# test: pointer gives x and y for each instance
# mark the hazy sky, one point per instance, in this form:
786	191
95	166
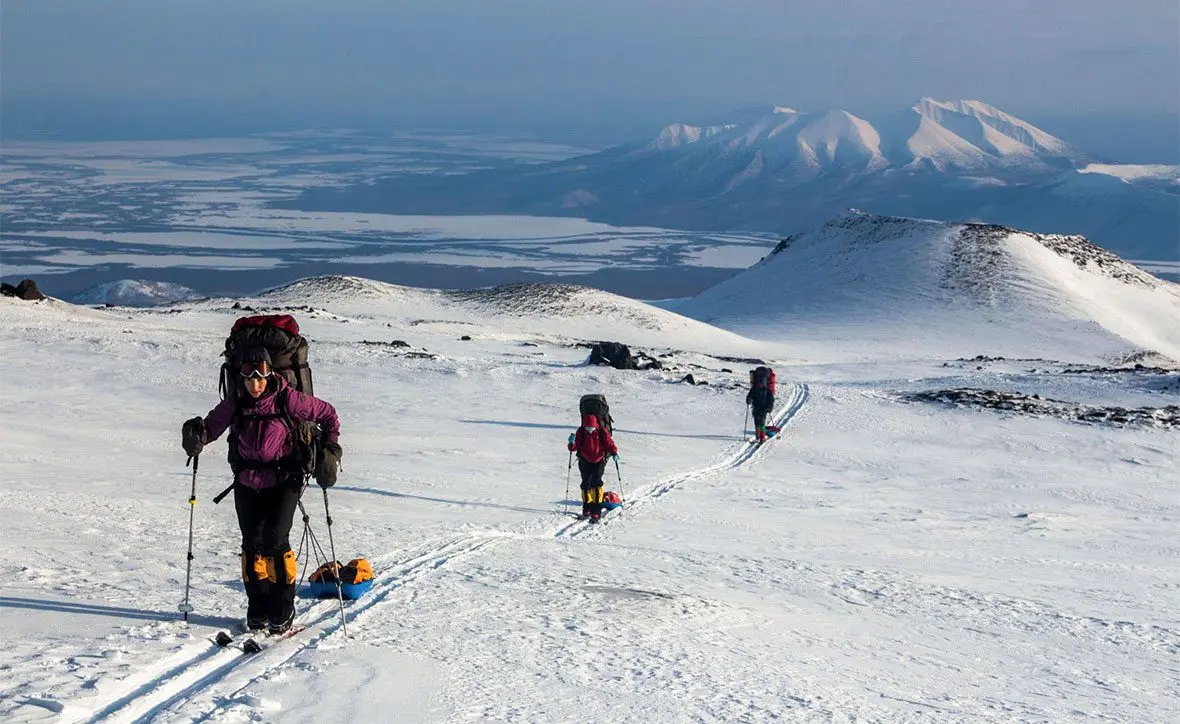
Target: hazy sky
538	64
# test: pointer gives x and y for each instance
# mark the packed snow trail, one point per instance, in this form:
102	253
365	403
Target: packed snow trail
223	675
742	454
189	673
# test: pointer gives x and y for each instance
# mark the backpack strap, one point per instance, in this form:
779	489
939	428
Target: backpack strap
286	464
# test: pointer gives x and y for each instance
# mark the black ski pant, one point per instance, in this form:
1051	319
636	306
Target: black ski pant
268	563
591	485
762	408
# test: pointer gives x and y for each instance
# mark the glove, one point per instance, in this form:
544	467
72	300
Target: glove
572	437
328	465
192	436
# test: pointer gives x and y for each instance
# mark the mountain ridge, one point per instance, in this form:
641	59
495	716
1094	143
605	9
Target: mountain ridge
780	170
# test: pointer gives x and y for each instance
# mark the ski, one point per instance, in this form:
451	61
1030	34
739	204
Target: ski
771	433
258	644
606	515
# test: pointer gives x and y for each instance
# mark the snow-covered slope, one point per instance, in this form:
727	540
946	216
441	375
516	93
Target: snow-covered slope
975	136
882	560
552	310
135	293
961	288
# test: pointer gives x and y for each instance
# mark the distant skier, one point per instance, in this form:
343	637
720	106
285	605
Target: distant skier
268	477
761	399
593	444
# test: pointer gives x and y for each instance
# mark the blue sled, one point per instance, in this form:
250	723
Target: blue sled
350	591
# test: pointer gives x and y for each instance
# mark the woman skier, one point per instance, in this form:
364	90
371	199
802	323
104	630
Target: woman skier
594	445
268	478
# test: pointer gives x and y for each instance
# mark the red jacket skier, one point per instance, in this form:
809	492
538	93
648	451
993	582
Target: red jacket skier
593	444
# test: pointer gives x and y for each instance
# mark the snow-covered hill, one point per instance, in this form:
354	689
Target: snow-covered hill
551	310
878	282
135	293
781	170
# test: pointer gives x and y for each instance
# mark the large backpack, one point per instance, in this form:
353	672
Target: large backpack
762	378
596	405
279	334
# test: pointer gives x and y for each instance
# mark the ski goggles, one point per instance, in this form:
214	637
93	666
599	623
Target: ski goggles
259	370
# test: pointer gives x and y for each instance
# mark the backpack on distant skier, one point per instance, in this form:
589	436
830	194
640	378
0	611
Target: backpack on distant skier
596	405
762	378
611	500
279	335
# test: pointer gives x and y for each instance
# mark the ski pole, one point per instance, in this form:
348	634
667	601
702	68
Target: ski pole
185	607
332	546
622	495
569	466
746	423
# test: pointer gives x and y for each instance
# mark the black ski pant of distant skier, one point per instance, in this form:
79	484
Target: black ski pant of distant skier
268	563
761	409
591	485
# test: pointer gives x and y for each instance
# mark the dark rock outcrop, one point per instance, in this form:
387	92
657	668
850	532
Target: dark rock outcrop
615	354
26	290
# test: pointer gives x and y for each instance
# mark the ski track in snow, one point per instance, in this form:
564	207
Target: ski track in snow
221	676
744	454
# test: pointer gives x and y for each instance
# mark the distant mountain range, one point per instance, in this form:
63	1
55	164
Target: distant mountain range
776	169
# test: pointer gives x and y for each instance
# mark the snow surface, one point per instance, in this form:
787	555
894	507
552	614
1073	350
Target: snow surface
881	560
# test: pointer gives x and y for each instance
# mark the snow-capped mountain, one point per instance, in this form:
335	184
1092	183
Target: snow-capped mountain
907	284
781	170
974	136
969	136
135	293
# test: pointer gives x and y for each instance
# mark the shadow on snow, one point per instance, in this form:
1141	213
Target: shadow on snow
571	428
447	501
92	609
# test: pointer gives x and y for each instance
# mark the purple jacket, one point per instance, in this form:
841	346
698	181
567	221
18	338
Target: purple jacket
267	439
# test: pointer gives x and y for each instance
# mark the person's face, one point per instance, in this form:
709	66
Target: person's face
255	386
